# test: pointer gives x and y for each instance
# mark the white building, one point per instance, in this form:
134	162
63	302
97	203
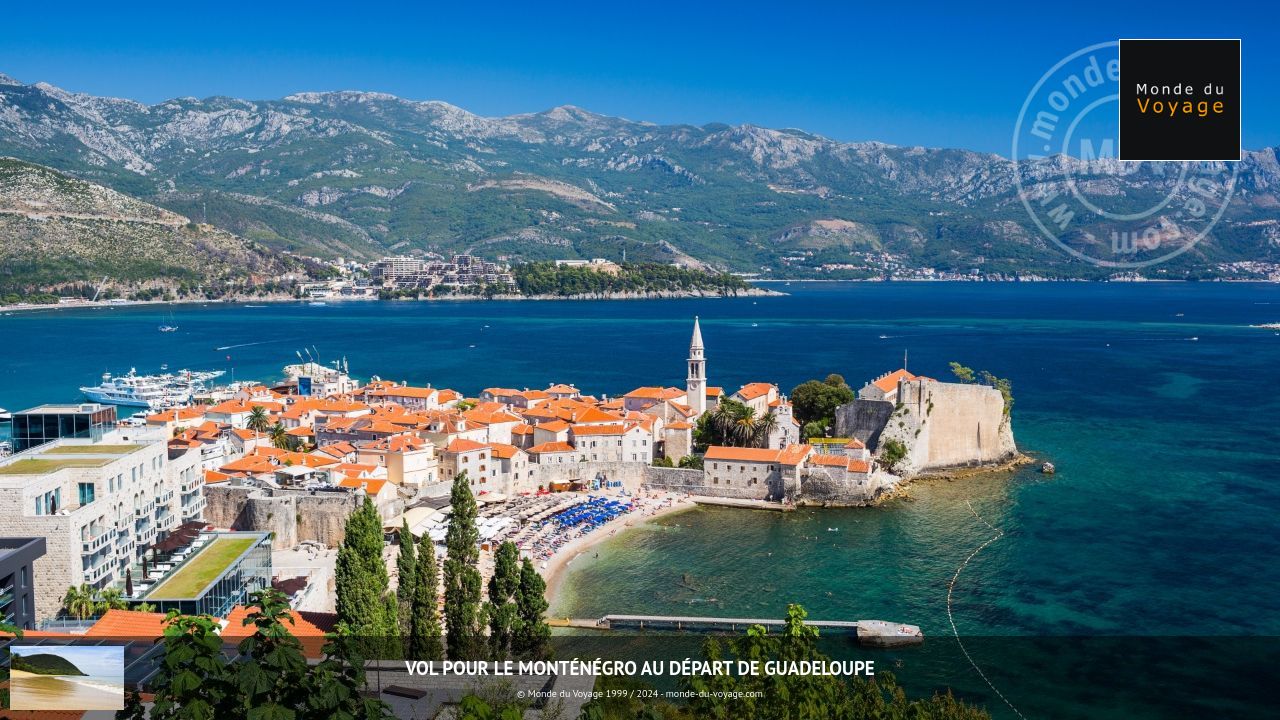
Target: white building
98	504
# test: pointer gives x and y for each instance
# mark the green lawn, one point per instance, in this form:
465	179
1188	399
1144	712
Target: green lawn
94	449
42	465
201	569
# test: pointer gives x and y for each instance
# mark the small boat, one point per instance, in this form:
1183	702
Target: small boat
317	303
168	328
835	529
1194	339
5	415
884	337
755	324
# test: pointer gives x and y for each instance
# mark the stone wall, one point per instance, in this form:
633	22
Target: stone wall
295	516
695	482
942	425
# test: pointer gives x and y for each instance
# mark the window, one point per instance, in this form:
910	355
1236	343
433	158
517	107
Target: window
86	491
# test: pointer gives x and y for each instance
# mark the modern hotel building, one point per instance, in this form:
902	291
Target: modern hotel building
99	503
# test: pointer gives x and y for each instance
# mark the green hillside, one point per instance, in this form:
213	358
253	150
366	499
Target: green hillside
44	664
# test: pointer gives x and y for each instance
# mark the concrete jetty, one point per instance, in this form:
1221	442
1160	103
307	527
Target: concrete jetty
741	503
875	633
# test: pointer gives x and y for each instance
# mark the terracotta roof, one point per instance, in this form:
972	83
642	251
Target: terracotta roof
522	429
612	429
751	391
830	460
504	451
855	443
187	413
301	431
859	466
655	393
213	476
679	425
736	454
128	624
713	391
461	445
889	382
794	454
553	426
550	447
371	486
398	443
309	628
561	388
596	415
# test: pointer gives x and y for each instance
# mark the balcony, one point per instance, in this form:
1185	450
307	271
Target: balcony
146	535
192	508
193	484
97	542
99	571
165	497
6	596
145	509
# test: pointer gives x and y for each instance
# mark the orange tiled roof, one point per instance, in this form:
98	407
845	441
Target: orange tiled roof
550	447
830	460
178	414
128	624
889	382
855	444
373	487
655	393
213	476
679	425
562	388
859	466
504	451
461	445
737	454
794	454
751	391
613	429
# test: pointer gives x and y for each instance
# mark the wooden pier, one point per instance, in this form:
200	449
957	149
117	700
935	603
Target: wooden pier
878	633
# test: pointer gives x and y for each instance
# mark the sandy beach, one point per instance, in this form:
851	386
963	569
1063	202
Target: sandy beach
29	691
656	505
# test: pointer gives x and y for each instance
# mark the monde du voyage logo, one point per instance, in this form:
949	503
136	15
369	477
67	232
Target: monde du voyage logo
1174	129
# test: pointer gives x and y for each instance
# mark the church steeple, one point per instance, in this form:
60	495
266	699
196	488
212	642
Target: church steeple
696	386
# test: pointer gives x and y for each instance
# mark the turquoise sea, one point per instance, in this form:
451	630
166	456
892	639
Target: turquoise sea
1157	402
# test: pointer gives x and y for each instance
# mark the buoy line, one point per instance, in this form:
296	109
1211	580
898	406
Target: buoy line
951	588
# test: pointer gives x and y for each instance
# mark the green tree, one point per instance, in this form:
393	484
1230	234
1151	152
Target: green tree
425	642
360	577
193	681
280	438
892	452
503	612
462	610
693	462
734	424
111	599
407	573
663	461
271	682
962	373
532	640
258	420
805	696
79	601
816	401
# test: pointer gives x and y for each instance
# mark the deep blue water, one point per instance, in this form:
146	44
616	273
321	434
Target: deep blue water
1162	519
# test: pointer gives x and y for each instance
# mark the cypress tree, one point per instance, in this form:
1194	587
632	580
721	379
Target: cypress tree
424	619
503	611
532	640
360	576
463	624
407	569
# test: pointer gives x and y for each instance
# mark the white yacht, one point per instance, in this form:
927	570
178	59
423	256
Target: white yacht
149	391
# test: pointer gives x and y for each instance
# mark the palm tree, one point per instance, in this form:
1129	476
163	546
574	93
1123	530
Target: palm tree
280	437
258	420
111	599
764	427
79	601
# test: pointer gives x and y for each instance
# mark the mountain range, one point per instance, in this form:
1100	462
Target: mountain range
361	174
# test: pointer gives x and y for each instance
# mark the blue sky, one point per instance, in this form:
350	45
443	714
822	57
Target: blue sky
99	660
910	73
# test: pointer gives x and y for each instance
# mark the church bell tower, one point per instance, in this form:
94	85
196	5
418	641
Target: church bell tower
696	386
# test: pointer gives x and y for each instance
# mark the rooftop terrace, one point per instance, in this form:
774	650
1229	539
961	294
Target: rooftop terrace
197	573
56	456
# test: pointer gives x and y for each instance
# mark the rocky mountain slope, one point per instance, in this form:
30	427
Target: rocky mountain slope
360	174
56	231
